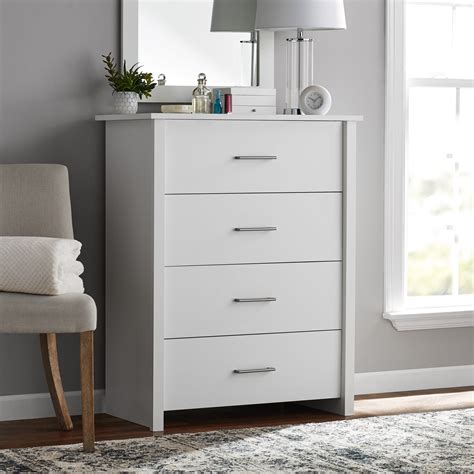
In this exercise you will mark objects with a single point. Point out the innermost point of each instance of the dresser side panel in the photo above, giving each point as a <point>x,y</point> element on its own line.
<point>160,130</point>
<point>345,404</point>
<point>349,268</point>
<point>129,270</point>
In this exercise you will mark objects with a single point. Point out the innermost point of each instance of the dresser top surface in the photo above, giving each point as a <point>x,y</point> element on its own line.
<point>234,117</point>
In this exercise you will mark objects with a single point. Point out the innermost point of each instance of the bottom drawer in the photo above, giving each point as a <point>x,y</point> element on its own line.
<point>201,372</point>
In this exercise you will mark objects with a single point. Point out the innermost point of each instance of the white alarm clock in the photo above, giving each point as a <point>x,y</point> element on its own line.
<point>315,100</point>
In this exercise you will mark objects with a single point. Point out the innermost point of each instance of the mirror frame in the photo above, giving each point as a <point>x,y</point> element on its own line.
<point>182,94</point>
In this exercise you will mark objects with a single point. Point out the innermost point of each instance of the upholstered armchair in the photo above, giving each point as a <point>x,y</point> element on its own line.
<point>34,201</point>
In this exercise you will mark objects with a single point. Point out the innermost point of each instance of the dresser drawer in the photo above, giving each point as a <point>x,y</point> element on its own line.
<point>252,299</point>
<point>201,372</point>
<point>252,109</point>
<point>201,229</point>
<point>200,156</point>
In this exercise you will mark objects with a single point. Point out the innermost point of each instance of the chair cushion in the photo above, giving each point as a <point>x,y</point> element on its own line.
<point>32,314</point>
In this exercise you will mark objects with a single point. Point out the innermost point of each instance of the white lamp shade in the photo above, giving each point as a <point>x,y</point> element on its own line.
<point>233,15</point>
<point>304,14</point>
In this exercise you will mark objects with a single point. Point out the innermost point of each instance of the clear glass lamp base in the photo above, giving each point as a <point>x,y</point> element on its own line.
<point>299,70</point>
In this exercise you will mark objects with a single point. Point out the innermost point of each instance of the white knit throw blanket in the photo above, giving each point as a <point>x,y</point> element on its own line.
<point>40,265</point>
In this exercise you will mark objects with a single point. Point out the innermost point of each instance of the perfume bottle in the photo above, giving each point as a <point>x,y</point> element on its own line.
<point>218,109</point>
<point>202,97</point>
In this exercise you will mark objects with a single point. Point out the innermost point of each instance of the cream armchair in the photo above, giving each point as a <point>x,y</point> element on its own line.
<point>34,201</point>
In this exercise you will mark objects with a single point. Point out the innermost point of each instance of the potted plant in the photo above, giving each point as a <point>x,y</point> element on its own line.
<point>128,85</point>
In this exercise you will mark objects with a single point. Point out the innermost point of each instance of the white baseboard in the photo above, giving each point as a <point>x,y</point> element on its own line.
<point>414,379</point>
<point>38,405</point>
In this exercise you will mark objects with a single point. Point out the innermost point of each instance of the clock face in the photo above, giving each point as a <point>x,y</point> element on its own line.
<point>314,100</point>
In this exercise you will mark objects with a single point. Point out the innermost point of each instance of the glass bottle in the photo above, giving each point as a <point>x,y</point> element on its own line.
<point>218,109</point>
<point>202,97</point>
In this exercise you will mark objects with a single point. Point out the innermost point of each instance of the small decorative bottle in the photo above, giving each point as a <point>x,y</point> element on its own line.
<point>202,97</point>
<point>218,109</point>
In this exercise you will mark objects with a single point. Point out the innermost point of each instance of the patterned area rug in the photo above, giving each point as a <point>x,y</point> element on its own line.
<point>437,442</point>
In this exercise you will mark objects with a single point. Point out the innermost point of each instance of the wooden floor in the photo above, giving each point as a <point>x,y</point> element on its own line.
<point>44,432</point>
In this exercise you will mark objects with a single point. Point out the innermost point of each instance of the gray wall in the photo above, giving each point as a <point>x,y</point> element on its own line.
<point>351,64</point>
<point>50,88</point>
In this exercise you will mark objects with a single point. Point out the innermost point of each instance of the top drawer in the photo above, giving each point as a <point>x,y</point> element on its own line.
<point>201,156</point>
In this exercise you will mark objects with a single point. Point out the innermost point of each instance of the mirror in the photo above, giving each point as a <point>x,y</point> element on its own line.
<point>174,38</point>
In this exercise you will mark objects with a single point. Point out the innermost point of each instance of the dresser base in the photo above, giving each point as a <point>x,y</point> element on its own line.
<point>339,406</point>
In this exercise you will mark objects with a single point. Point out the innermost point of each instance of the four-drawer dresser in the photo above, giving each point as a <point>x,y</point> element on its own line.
<point>230,255</point>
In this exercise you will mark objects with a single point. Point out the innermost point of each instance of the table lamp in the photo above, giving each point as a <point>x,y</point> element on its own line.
<point>299,15</point>
<point>239,16</point>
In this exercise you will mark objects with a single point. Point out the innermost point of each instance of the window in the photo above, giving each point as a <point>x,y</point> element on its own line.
<point>429,228</point>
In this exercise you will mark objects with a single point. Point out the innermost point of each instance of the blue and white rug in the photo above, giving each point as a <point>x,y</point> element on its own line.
<point>424,442</point>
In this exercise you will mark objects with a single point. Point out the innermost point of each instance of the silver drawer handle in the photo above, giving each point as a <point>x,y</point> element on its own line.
<point>254,229</point>
<point>254,371</point>
<point>254,300</point>
<point>255,157</point>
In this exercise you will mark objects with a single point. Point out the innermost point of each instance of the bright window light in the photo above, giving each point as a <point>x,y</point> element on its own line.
<point>439,204</point>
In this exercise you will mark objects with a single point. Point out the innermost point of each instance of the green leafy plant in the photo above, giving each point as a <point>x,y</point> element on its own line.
<point>130,80</point>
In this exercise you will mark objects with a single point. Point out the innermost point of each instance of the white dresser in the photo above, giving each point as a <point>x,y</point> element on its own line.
<point>230,262</point>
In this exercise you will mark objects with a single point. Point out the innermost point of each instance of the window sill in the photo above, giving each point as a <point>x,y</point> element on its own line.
<point>431,318</point>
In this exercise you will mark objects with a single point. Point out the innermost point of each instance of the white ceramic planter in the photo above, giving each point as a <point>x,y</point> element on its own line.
<point>126,102</point>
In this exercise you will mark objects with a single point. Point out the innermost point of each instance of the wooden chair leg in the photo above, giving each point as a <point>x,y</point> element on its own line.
<point>49,352</point>
<point>87,384</point>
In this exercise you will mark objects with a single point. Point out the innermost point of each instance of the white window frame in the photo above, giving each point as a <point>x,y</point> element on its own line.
<point>402,317</point>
